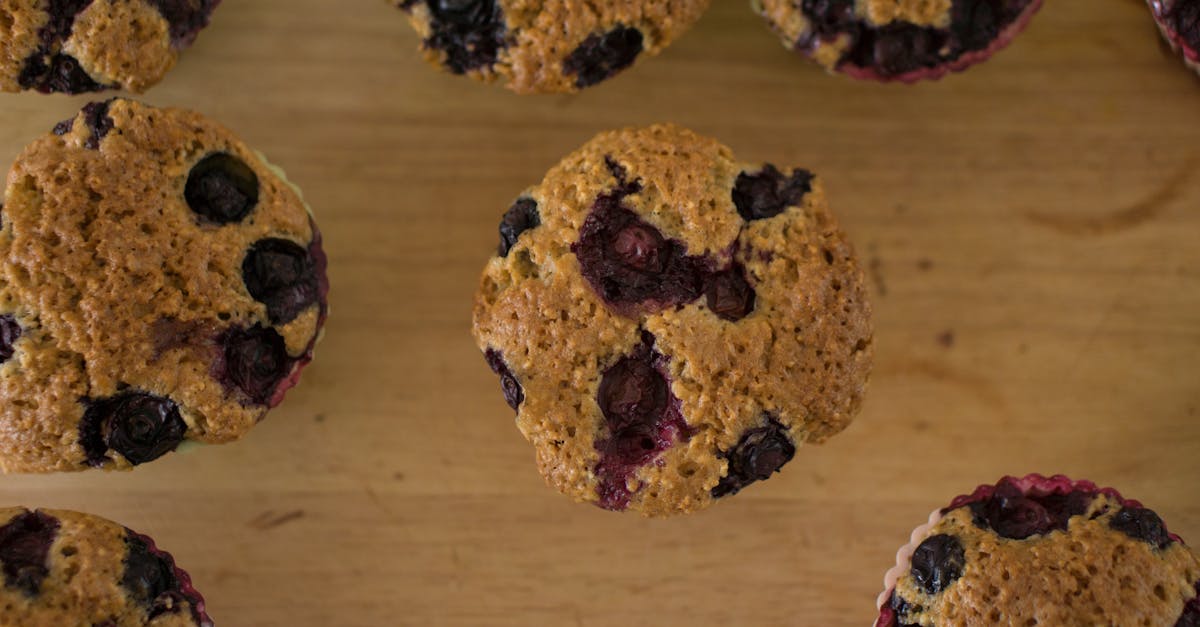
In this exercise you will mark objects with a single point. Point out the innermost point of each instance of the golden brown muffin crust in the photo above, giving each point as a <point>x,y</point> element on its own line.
<point>801,356</point>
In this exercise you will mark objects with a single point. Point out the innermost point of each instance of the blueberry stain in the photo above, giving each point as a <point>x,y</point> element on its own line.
<point>514,395</point>
<point>10,332</point>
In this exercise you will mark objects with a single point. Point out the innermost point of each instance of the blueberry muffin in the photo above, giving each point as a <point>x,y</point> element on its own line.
<point>551,46</point>
<point>65,568</point>
<point>77,46</point>
<point>669,324</point>
<point>1179,22</point>
<point>1043,551</point>
<point>897,40</point>
<point>159,282</point>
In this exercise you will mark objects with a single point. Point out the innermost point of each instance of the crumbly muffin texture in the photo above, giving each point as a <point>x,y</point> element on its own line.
<point>670,324</point>
<point>903,40</point>
<point>64,568</point>
<point>158,282</point>
<point>1046,552</point>
<point>77,46</point>
<point>546,46</point>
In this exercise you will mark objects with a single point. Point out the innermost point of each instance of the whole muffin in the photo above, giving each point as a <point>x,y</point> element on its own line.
<point>64,568</point>
<point>1179,22</point>
<point>1043,551</point>
<point>77,46</point>
<point>159,282</point>
<point>549,46</point>
<point>670,324</point>
<point>897,40</point>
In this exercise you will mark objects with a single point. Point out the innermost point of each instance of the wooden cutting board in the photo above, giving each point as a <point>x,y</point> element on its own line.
<point>1030,229</point>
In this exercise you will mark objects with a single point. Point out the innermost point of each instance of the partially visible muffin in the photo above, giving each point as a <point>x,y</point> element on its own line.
<point>553,46</point>
<point>897,40</point>
<point>159,282</point>
<point>1179,23</point>
<point>64,568</point>
<point>1043,551</point>
<point>78,46</point>
<point>670,324</point>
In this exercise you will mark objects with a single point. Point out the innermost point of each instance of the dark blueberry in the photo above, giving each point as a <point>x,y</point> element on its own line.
<point>730,295</point>
<point>1141,524</point>
<point>95,115</point>
<point>600,57</point>
<point>221,188</point>
<point>58,73</point>
<point>902,609</point>
<point>1063,507</point>
<point>901,47</point>
<point>937,563</point>
<point>255,362</point>
<point>975,24</point>
<point>1184,19</point>
<point>767,193</point>
<point>513,394</point>
<point>10,332</point>
<point>1191,611</point>
<point>631,265</point>
<point>521,217</point>
<point>185,17</point>
<point>760,453</point>
<point>141,427</point>
<point>48,69</point>
<point>280,274</point>
<point>150,578</point>
<point>632,393</point>
<point>24,547</point>
<point>642,419</point>
<point>470,32</point>
<point>1012,514</point>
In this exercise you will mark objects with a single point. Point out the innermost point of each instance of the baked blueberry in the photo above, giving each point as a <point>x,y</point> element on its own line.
<point>221,189</point>
<point>141,427</point>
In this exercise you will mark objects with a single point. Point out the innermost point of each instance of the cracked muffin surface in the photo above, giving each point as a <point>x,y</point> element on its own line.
<point>671,325</point>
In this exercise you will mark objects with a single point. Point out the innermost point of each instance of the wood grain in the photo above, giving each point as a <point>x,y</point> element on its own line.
<point>1030,228</point>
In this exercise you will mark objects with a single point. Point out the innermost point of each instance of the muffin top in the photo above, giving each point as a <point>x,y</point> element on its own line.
<point>1039,551</point>
<point>547,46</point>
<point>158,282</point>
<point>66,568</point>
<point>904,40</point>
<point>77,46</point>
<point>671,324</point>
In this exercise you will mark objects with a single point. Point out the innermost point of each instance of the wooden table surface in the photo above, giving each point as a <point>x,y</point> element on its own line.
<point>1030,229</point>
